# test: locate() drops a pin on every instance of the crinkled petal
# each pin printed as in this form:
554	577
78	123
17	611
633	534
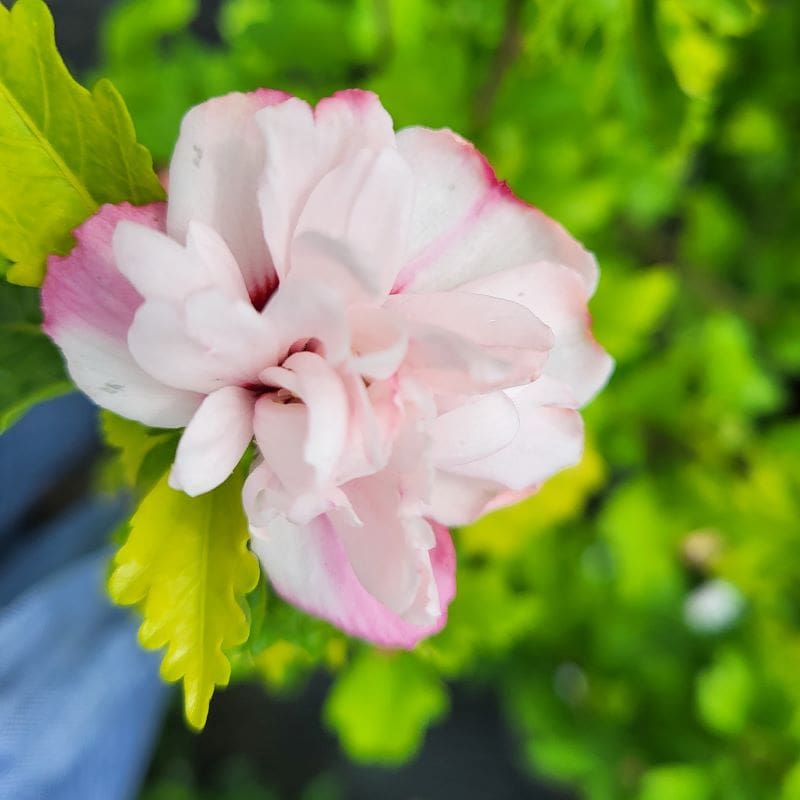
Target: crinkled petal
214	341
457	500
477	428
311	379
88	307
374	416
506	330
214	441
265	497
300	311
302	146
281	430
214	177
377	542
309	567
448	363
550	438
162	269
556	295
232	330
322	260
466	224
365	203
379	344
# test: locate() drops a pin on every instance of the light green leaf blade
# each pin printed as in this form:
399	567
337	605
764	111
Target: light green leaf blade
676	782
381	705
63	150
31	369
187	565
724	693
646	296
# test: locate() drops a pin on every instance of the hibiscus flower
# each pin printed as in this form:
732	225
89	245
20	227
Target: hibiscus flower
405	341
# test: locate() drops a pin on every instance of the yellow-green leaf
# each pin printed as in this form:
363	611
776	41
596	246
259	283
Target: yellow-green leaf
65	150
187	565
133	441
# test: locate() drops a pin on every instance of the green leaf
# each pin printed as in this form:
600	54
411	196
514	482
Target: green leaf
31	369
285	645
676	782
639	531
187	565
381	705
735	379
646	297
487	616
65	151
134	27
698	58
561	757
725	693
790	787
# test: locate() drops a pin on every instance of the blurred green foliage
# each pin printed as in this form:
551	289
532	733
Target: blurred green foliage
31	369
640	618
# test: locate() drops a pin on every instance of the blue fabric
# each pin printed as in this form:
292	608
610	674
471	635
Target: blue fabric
80	701
37	450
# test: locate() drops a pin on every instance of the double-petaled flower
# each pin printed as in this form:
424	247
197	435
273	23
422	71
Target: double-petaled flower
406	342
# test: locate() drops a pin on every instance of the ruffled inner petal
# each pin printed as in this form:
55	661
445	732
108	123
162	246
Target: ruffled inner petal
214	441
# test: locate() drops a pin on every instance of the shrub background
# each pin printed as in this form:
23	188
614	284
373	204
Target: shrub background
638	620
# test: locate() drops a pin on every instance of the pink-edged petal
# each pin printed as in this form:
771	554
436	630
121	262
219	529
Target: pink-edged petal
365	202
212	342
466	224
302	146
162	269
85	285
214	177
550	438
557	296
380	542
311	379
308	566
354	118
477	428
214	441
88	307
